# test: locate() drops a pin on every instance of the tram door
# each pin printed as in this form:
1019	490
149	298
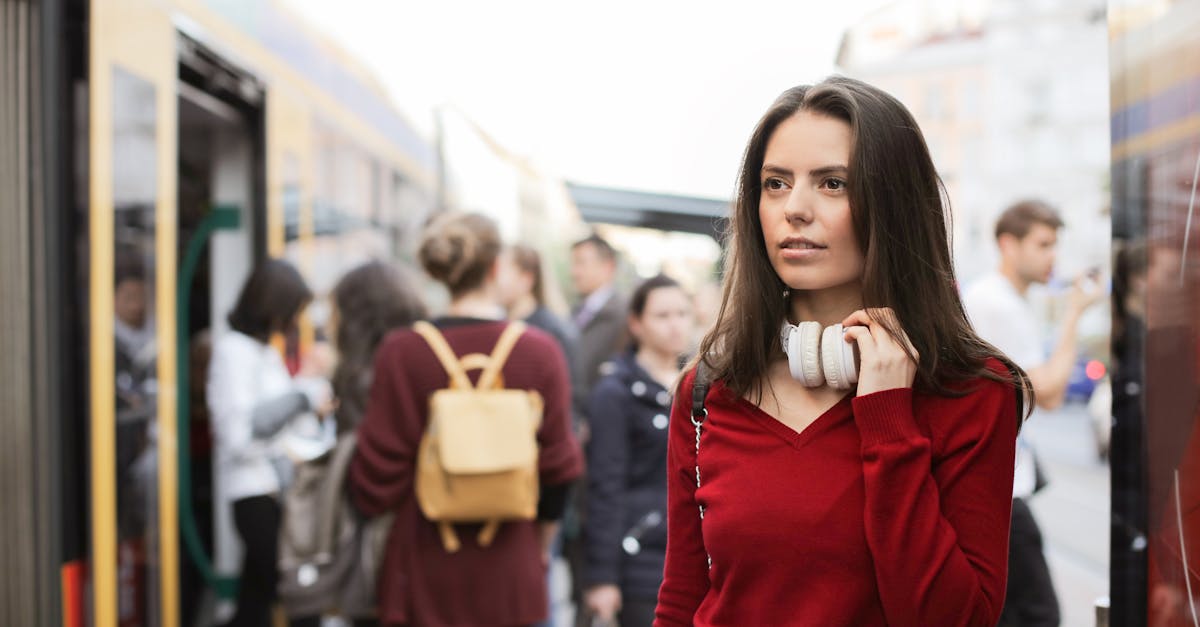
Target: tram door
132	237
166	147
220	195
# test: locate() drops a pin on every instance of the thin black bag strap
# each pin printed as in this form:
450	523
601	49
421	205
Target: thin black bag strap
700	390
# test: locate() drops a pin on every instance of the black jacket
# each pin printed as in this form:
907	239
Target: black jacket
626	529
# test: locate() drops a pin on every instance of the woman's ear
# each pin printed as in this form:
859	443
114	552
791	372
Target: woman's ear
635	327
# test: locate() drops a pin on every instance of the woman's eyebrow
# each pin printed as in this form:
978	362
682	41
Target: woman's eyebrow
829	169
774	169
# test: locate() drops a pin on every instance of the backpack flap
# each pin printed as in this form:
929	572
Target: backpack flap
484	432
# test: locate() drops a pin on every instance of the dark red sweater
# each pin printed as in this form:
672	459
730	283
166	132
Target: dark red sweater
889	509
419	583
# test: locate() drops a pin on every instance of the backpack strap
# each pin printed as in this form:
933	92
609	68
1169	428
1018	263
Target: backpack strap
450	362
508	339
331	493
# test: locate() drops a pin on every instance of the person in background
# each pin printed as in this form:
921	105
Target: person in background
419	582
369	302
600	314
876	491
708	305
134	332
251	399
999	309
1127	457
135	354
626	533
600	320
523	294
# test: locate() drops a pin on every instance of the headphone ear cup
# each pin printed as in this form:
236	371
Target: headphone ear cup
806	344
837	359
849	361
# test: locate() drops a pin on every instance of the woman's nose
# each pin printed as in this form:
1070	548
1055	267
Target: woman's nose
798	206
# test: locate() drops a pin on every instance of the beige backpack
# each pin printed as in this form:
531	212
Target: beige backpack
478	459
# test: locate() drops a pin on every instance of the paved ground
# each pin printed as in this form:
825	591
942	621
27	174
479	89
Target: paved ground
1073	510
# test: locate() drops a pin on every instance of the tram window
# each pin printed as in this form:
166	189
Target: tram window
291	196
134	162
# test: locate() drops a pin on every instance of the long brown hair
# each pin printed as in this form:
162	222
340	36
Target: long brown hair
371	300
901	219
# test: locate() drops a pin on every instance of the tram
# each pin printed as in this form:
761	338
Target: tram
153	151
1155	540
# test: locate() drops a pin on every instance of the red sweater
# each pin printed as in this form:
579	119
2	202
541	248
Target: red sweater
419	582
889	509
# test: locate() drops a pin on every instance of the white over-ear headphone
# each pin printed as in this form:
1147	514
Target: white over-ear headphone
817	357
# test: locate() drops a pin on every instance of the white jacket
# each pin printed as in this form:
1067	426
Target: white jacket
242	374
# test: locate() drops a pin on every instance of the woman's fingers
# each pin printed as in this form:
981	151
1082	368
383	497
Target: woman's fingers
878	320
866	342
858	318
885	363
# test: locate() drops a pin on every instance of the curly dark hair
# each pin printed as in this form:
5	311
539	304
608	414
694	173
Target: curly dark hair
371	300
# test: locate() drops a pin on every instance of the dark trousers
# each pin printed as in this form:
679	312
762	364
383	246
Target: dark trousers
633	613
1031	601
636	613
257	520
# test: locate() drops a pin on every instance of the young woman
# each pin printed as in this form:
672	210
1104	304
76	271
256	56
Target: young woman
420	582
251	399
881	504
627	458
368	302
523	294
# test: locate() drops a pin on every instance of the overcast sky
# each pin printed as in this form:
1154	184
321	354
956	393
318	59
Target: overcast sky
651	95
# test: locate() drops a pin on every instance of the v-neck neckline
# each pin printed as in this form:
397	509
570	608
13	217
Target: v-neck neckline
798	439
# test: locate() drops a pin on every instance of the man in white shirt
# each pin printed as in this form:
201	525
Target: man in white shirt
1001	313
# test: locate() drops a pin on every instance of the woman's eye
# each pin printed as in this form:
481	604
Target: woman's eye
836	185
773	184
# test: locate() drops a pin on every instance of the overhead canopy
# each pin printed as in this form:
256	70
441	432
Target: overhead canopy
667	212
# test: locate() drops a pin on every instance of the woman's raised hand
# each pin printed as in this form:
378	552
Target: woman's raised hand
885	365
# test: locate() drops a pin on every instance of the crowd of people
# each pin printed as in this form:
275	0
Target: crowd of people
839	449
616	359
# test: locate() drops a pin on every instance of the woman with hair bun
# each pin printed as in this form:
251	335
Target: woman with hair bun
419	582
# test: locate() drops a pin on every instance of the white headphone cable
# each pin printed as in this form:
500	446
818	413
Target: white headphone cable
1187	231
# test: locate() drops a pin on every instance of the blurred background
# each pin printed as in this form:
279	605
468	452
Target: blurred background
152	151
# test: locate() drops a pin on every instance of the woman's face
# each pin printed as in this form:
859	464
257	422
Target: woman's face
804	205
665	325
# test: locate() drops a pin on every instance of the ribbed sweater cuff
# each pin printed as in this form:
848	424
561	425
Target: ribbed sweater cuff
885	416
